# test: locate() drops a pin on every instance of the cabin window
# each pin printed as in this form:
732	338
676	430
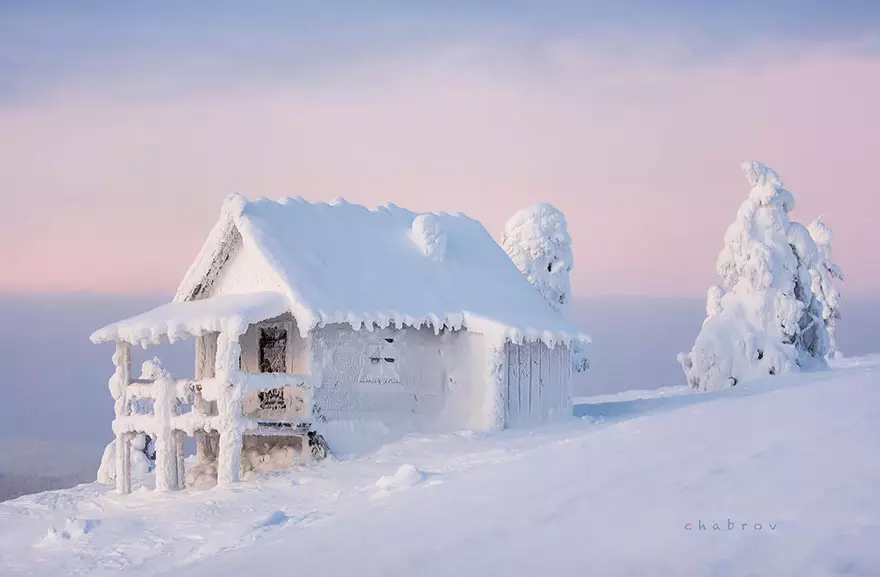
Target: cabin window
380	365
273	350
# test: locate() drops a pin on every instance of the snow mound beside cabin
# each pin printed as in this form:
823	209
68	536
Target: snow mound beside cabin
406	476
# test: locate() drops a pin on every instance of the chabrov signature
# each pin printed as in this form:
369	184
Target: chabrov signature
731	525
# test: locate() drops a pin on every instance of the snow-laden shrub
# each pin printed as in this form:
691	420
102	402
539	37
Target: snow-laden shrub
152	369
143	449
824	276
142	457
537	241
764	319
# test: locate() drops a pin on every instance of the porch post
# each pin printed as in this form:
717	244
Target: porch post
123	463
119	389
228	408
166	439
206	358
181	473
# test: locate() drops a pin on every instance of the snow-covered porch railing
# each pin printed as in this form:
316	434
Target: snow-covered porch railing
210	388
222	401
169	409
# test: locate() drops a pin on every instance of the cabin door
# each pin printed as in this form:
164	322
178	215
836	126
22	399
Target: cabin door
530	394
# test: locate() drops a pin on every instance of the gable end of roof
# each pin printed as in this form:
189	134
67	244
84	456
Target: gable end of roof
223	240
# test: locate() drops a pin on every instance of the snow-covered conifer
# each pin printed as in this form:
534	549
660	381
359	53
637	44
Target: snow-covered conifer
536	239
764	319
825	275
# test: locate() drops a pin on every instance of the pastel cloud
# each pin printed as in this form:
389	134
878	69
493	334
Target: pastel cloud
116	194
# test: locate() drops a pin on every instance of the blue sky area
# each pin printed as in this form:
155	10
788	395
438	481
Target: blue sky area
44	44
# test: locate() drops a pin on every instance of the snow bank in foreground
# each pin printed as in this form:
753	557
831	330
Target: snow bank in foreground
634	394
71	529
406	476
785	470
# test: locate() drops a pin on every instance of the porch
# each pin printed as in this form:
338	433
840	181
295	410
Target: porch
223	404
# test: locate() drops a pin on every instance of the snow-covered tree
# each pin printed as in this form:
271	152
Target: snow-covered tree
537	241
825	275
764	319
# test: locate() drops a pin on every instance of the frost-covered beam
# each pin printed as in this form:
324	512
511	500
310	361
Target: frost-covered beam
187	423
229	406
122	407
121	377
166	450
146	389
206	355
248	382
181	469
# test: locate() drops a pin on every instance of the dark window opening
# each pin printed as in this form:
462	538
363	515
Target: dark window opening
273	350
382	367
272	399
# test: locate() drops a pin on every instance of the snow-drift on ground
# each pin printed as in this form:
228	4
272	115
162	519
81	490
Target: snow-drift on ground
787	468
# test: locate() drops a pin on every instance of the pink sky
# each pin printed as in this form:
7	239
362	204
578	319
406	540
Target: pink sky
101	192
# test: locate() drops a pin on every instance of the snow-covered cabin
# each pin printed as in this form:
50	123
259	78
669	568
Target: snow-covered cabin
305	313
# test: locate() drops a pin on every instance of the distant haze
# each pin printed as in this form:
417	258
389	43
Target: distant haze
56	411
54	381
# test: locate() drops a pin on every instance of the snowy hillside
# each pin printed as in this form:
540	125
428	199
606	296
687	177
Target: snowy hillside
787	469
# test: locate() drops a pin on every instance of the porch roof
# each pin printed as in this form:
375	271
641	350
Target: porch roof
177	320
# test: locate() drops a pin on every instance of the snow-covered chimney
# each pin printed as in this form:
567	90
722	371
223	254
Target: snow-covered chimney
428	235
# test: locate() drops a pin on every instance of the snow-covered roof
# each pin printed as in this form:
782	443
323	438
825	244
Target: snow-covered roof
192	318
339	262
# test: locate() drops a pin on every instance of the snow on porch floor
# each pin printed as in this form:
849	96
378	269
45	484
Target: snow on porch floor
610	494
